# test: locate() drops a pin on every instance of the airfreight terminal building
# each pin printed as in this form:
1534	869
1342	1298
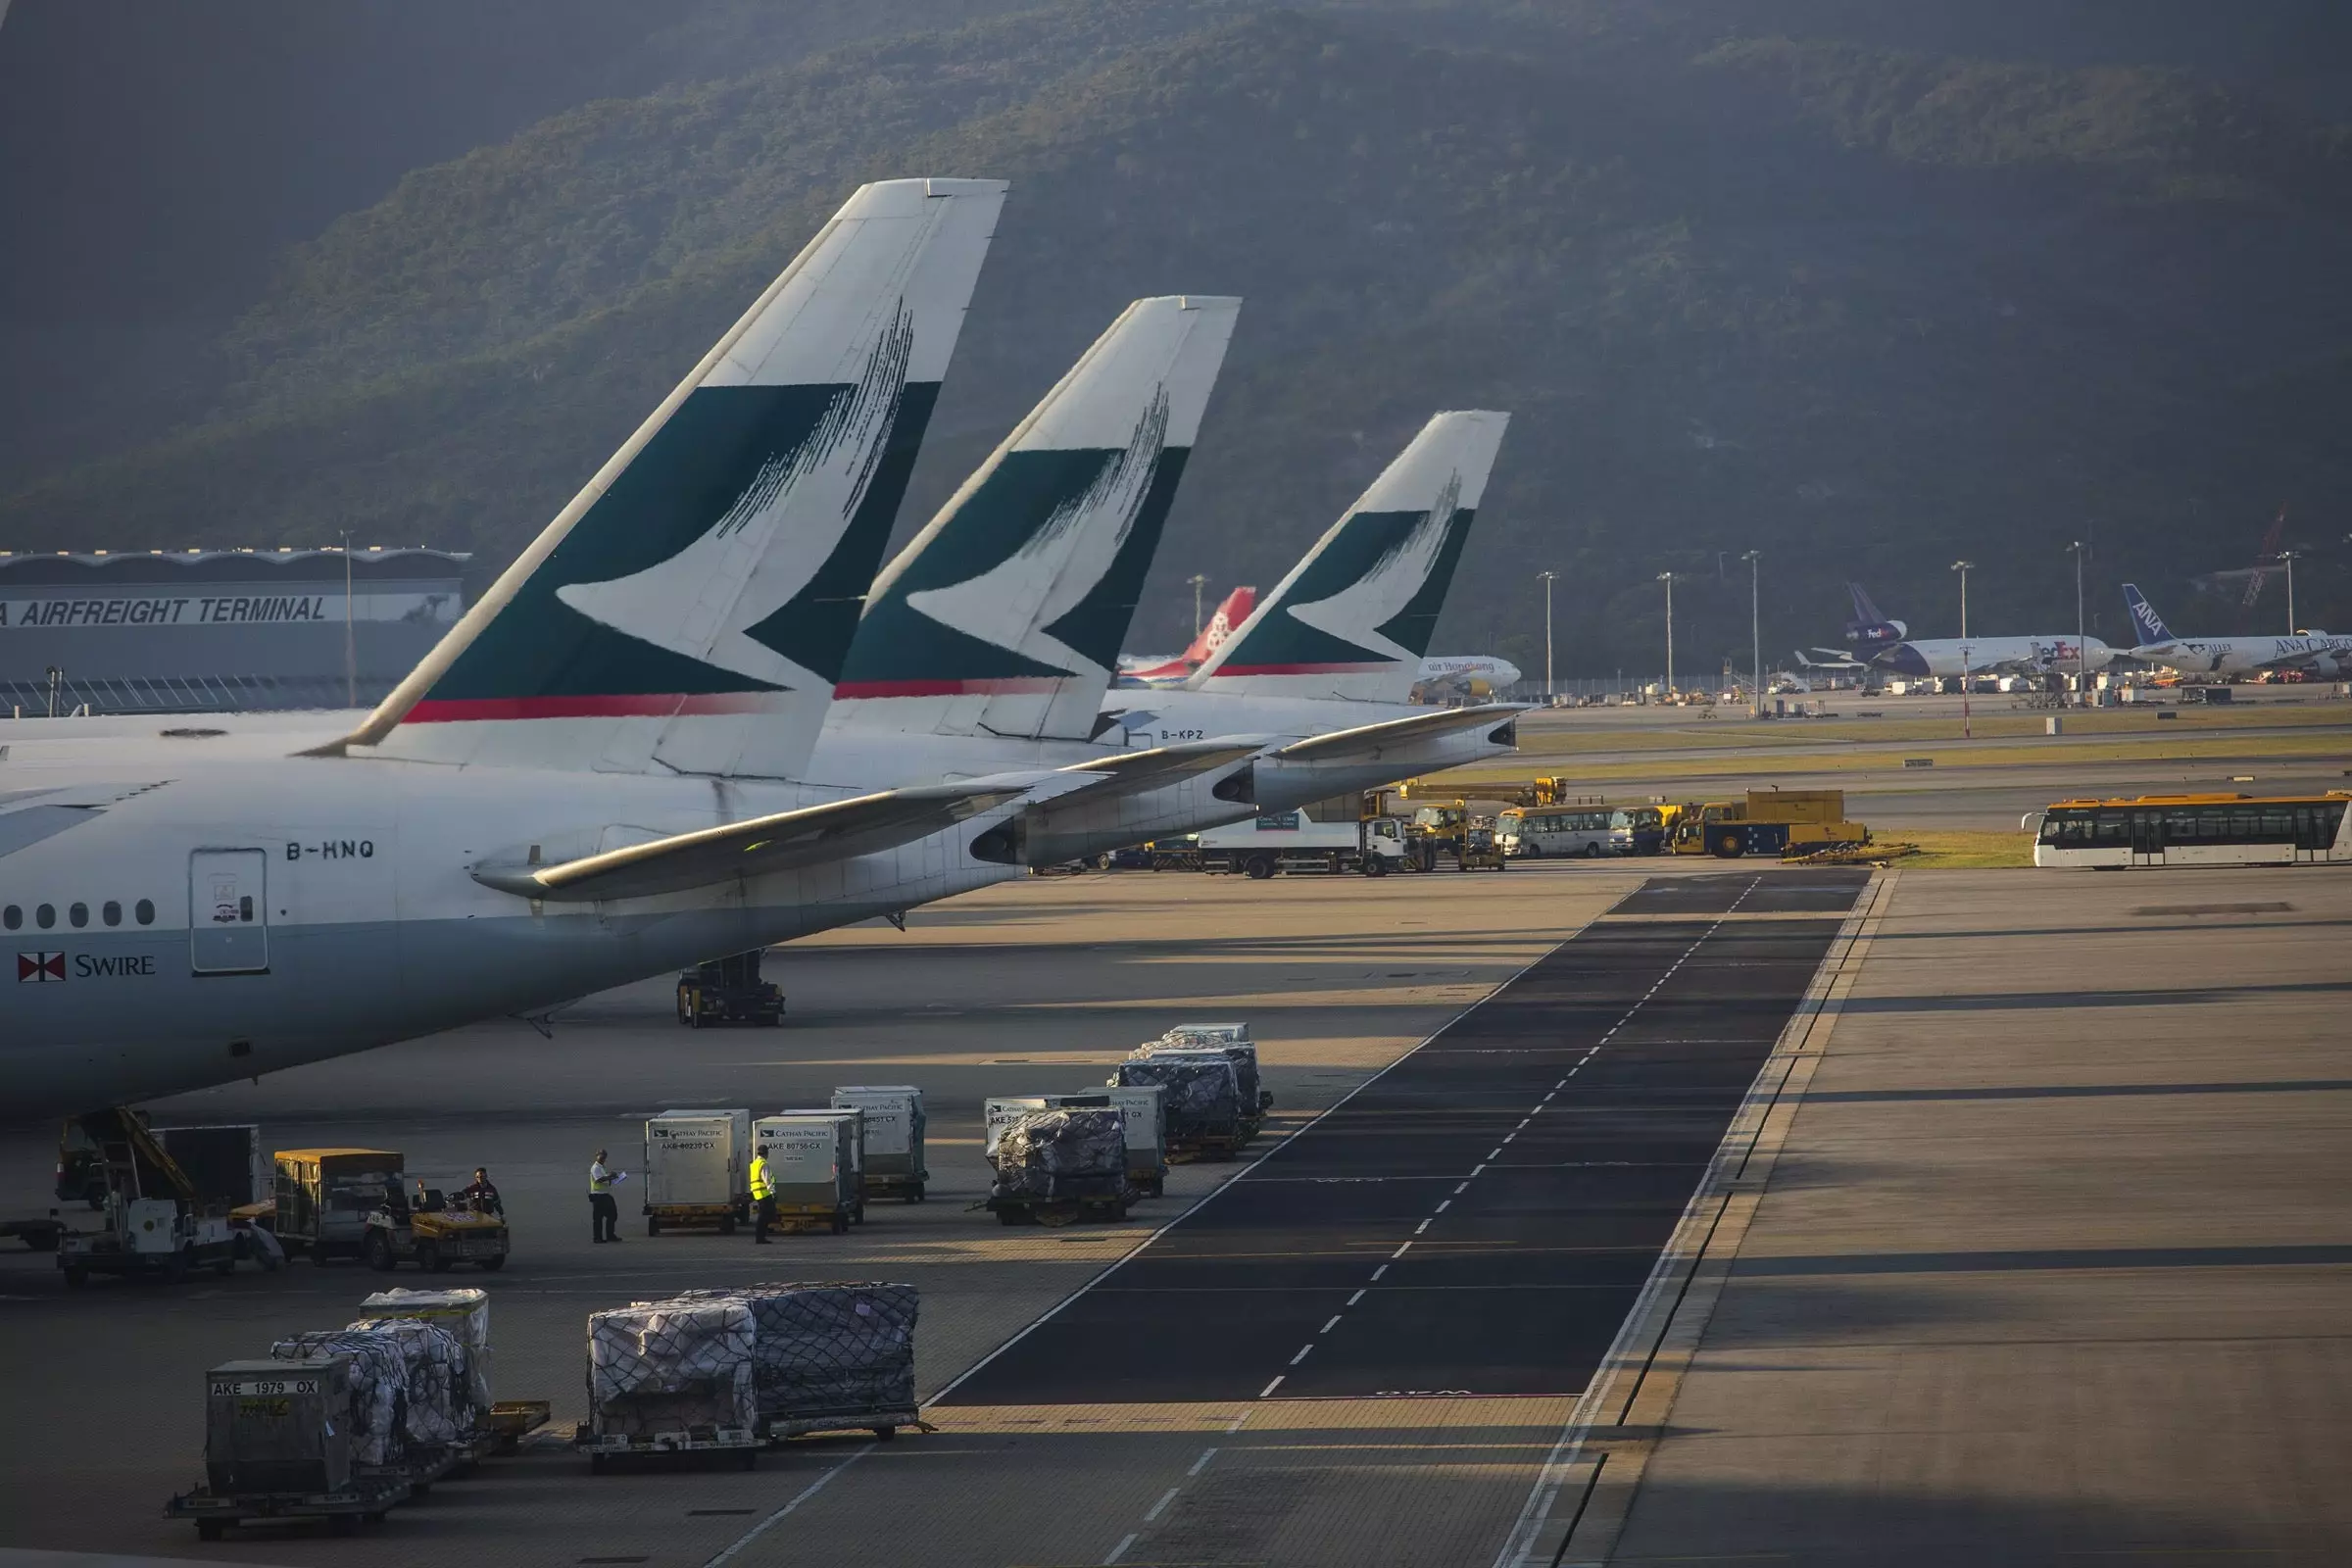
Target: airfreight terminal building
218	630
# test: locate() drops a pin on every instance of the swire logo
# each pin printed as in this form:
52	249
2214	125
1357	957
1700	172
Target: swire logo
35	967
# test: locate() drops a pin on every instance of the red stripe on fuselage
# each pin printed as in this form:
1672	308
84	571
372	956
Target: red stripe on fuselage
945	688
1303	669
634	705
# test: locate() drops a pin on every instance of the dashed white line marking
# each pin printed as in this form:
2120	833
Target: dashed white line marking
1162	1506
1507	1137
1494	1154
1382	1269
1463	1188
1302	1350
1335	1321
1476	1169
1418	1229
1201	1463
1547	1097
1119	1550
1270	1388
1562	1083
1358	1297
1443	1207
1244	1416
1523	1121
1400	1252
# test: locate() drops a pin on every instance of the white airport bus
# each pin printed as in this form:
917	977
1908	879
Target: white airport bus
2196	830
1534	832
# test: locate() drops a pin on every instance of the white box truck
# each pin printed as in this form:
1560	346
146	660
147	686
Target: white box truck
894	1137
1293	841
697	1169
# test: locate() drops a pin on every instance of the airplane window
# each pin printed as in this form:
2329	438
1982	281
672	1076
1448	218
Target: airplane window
12	918
145	911
45	916
111	913
79	915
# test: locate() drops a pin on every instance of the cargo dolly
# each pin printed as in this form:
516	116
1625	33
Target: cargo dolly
744	1443
1076	1198
365	1501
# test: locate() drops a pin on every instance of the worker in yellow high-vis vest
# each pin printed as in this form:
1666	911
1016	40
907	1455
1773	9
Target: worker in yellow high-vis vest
764	1197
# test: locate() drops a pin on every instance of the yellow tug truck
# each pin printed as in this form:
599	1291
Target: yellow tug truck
1776	822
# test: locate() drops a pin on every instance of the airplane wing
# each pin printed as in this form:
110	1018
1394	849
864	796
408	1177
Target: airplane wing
810	836
1136	773
1370	742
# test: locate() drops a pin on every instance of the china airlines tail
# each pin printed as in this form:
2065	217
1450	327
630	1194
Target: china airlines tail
1354	618
1003	616
690	609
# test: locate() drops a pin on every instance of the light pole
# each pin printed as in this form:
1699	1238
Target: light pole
1547	576
2289	557
1966	733
1667	578
1963	568
2081	654
1755	636
351	656
1199	582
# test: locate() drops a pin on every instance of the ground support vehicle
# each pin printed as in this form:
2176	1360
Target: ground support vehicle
432	1234
1480	852
895	1124
810	1169
1768	822
1175	855
1293	841
730	990
2161	830
697	1170
153	1223
1589	831
38	1235
512	1420
324	1195
1438	830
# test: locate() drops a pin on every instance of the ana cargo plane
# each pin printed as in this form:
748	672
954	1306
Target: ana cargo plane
2316	651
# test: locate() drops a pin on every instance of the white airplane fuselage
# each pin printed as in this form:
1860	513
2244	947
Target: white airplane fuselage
365	925
2250	655
1951	657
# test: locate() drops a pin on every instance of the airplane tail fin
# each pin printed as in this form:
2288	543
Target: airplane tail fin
2144	620
1230	613
690	609
1354	618
1004	615
1866	613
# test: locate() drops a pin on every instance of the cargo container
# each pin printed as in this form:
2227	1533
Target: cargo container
894	1137
809	1166
697	1169
1204	1099
1057	1165
324	1196
277	1444
854	1146
1144	1119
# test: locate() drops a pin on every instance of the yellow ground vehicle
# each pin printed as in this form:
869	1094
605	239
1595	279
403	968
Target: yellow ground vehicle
432	1233
1438	828
1480	852
1766	823
324	1196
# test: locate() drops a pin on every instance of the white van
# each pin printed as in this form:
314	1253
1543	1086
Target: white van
1533	832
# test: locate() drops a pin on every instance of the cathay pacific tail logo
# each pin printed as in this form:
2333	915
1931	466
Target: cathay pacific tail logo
773	537
1015	603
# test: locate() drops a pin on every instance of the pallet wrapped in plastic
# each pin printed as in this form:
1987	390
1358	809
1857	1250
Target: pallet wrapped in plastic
379	1388
1233	1039
1202	1090
440	1408
1060	1153
667	1366
465	1313
831	1349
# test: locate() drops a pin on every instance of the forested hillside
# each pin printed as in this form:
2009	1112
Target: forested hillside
1841	295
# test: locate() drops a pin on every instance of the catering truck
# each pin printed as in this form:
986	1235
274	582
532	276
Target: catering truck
1293	841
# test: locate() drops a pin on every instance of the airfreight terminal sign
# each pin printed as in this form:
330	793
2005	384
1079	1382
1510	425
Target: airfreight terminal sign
220	610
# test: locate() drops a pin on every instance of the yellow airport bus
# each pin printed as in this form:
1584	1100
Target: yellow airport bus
2195	830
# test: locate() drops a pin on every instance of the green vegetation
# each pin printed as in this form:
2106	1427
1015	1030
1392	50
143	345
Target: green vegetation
1965	851
1845	299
